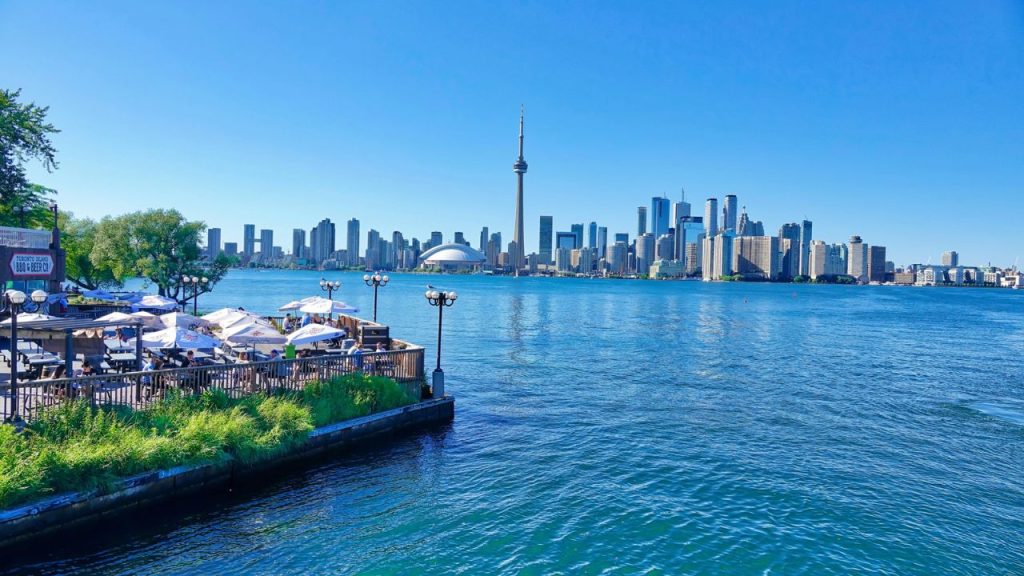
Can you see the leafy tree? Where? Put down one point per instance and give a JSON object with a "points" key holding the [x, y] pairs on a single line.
{"points": [[78, 235], [158, 245], [24, 136]]}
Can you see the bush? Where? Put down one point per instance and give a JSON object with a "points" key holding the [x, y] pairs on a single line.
{"points": [[74, 446]]}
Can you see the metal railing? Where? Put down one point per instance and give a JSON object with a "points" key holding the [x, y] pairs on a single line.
{"points": [[140, 389]]}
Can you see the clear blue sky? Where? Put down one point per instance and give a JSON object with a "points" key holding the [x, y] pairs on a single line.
{"points": [[902, 122]]}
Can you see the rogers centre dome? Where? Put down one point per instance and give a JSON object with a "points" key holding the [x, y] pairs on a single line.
{"points": [[448, 256]]}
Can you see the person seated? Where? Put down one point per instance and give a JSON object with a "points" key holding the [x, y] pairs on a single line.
{"points": [[381, 347], [190, 360]]}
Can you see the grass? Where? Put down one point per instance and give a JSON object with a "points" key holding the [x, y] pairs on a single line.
{"points": [[74, 447]]}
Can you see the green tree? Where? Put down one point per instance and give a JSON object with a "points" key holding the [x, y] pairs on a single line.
{"points": [[158, 245], [78, 236], [24, 136]]}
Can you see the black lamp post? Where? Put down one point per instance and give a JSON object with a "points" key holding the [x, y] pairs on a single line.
{"points": [[329, 287], [440, 299], [14, 299], [376, 281], [196, 283]]}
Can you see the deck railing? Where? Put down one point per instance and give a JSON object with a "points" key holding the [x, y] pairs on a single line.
{"points": [[140, 389]]}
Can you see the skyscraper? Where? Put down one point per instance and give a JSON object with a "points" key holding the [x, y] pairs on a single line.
{"points": [[213, 242], [876, 264], [659, 216], [352, 242], [484, 236], [641, 220], [711, 217], [805, 247], [756, 257], [249, 239], [729, 213], [321, 241], [602, 242], [460, 238], [644, 252], [519, 168], [592, 236], [790, 259], [566, 240], [950, 259], [546, 231], [266, 244], [577, 229], [373, 255], [299, 242], [857, 259]]}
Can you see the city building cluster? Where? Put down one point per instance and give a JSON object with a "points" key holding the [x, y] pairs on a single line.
{"points": [[670, 241]]}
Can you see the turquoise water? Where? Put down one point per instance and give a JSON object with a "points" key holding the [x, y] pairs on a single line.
{"points": [[628, 427]]}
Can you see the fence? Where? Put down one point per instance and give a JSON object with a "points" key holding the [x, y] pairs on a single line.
{"points": [[140, 389]]}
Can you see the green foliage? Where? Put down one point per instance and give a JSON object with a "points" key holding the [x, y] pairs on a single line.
{"points": [[73, 446], [78, 236], [24, 136], [159, 245]]}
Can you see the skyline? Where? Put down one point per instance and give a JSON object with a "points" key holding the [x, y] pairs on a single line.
{"points": [[895, 123]]}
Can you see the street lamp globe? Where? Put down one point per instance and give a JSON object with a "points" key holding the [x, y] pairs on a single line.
{"points": [[366, 277], [16, 297], [39, 296], [323, 283], [204, 280], [385, 278], [195, 280], [452, 296]]}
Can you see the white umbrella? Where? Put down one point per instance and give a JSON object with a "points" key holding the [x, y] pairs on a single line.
{"points": [[236, 317], [156, 302], [325, 306], [149, 320], [119, 317], [181, 319], [238, 327], [311, 333], [29, 317], [296, 304], [177, 337], [226, 316], [256, 334]]}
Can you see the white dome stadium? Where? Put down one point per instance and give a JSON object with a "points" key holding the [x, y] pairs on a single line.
{"points": [[452, 256]]}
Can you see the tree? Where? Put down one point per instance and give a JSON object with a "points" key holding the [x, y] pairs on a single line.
{"points": [[78, 236], [158, 245], [24, 136]]}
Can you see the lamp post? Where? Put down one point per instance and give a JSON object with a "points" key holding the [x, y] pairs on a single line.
{"points": [[440, 299], [376, 281], [329, 287], [195, 282], [14, 299]]}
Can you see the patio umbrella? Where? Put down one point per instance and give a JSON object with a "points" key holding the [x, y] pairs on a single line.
{"points": [[178, 337], [325, 306], [149, 320], [313, 333], [182, 319], [155, 302], [29, 317], [99, 294], [296, 304], [119, 317], [226, 317], [256, 334]]}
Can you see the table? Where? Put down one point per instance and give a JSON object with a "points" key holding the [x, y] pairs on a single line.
{"points": [[123, 360], [115, 345]]}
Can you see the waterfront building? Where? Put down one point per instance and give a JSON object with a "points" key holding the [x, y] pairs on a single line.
{"points": [[857, 259], [756, 257], [592, 236], [249, 239], [711, 217], [484, 236], [826, 260], [565, 240], [662, 269], [583, 260], [299, 242], [622, 237], [452, 257], [266, 245], [729, 213], [213, 243], [717, 257], [950, 258], [876, 264], [517, 232], [373, 252], [905, 278], [745, 226], [460, 238], [789, 260], [494, 248], [397, 252], [659, 216], [641, 220], [351, 242], [692, 261], [231, 248], [602, 242], [680, 210], [805, 247], [436, 239], [321, 241], [563, 259], [619, 259], [665, 246], [533, 262], [644, 252], [546, 230], [577, 230]]}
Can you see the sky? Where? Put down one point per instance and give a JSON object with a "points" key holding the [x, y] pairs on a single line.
{"points": [[901, 122]]}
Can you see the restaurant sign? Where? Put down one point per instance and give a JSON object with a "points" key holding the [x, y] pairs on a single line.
{"points": [[31, 264]]}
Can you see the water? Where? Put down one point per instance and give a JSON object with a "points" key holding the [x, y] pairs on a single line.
{"points": [[628, 427]]}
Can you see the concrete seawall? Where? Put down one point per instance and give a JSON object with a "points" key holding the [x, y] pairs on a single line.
{"points": [[61, 512]]}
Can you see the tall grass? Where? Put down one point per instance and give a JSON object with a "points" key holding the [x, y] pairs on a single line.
{"points": [[74, 447]]}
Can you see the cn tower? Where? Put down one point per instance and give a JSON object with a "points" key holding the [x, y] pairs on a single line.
{"points": [[517, 234]]}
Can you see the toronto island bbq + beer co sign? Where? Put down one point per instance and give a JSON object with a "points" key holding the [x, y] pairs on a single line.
{"points": [[31, 264]]}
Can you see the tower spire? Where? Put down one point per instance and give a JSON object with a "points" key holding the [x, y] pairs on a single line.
{"points": [[519, 167], [521, 114]]}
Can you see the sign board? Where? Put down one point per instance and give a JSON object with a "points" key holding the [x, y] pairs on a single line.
{"points": [[24, 238], [38, 265]]}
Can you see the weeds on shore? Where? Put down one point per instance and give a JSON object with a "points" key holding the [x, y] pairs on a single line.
{"points": [[74, 447]]}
